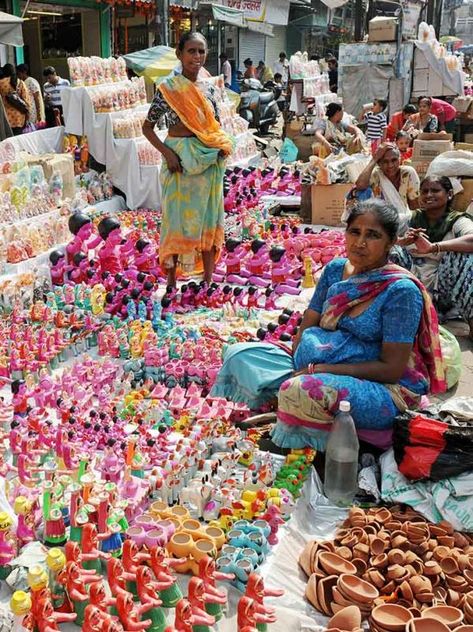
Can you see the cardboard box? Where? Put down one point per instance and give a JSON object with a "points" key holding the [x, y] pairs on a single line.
{"points": [[434, 136], [464, 146], [382, 29], [462, 200], [462, 104], [62, 163], [420, 166], [468, 138], [328, 203], [427, 150]]}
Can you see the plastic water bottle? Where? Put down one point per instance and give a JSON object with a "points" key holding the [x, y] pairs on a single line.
{"points": [[341, 459]]}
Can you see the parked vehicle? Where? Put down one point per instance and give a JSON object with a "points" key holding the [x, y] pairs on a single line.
{"points": [[258, 104]]}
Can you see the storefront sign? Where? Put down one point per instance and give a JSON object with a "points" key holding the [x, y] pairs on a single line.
{"points": [[261, 27], [270, 11], [410, 19]]}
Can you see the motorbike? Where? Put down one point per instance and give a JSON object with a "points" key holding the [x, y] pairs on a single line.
{"points": [[258, 104]]}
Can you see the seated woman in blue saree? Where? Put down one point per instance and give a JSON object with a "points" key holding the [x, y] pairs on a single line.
{"points": [[369, 336]]}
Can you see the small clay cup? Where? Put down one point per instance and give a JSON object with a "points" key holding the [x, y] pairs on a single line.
{"points": [[449, 565], [396, 556]]}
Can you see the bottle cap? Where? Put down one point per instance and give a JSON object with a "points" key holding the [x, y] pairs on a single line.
{"points": [[344, 407]]}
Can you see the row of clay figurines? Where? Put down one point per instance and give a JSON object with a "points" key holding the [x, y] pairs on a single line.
{"points": [[114, 253], [261, 264], [67, 584]]}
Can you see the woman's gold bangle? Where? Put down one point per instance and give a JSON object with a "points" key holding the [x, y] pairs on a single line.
{"points": [[437, 248]]}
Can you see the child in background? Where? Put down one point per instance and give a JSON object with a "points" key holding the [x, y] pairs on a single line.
{"points": [[403, 142], [376, 123]]}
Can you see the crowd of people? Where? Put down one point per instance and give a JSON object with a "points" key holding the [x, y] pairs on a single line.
{"points": [[370, 332], [27, 106]]}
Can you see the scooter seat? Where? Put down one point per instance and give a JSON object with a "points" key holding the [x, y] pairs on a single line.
{"points": [[266, 97]]}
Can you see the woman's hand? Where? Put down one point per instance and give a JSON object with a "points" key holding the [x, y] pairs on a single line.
{"points": [[311, 369], [410, 237], [423, 245], [173, 161], [381, 151], [295, 343]]}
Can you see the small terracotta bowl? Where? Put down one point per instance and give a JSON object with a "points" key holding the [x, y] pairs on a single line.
{"points": [[391, 617], [452, 617], [426, 625], [333, 564], [357, 589]]}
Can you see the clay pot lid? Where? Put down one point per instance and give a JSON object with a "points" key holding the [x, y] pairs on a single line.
{"points": [[427, 625], [391, 617], [357, 589], [447, 614], [346, 619], [336, 565]]}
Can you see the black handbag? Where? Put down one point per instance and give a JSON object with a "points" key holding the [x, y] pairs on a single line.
{"points": [[14, 99]]}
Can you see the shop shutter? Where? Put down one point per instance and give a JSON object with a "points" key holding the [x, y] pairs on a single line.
{"points": [[274, 45], [251, 45]]}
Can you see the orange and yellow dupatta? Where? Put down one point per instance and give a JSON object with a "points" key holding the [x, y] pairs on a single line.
{"points": [[195, 112]]}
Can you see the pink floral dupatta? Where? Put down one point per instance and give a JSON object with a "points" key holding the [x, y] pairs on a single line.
{"points": [[426, 356]]}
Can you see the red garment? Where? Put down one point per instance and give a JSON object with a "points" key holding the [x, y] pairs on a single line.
{"points": [[444, 111], [395, 125], [406, 155]]}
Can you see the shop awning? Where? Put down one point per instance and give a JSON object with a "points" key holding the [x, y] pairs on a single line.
{"points": [[153, 63], [229, 15], [11, 31]]}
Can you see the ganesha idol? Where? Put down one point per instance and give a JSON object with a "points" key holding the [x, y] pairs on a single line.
{"points": [[95, 252]]}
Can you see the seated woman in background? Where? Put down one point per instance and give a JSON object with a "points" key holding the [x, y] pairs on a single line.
{"points": [[424, 120], [369, 336], [399, 121], [438, 249], [385, 178], [333, 134]]}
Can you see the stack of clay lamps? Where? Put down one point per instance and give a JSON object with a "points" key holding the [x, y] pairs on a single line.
{"points": [[383, 556]]}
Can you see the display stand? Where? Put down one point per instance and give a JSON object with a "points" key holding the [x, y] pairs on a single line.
{"points": [[140, 184]]}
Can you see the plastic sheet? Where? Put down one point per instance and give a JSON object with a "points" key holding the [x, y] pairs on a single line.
{"points": [[449, 499], [452, 163]]}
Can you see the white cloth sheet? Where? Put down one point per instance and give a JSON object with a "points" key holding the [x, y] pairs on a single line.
{"points": [[453, 79], [139, 183], [44, 141]]}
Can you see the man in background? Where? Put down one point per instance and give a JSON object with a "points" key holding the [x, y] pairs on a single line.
{"points": [[53, 96], [226, 70], [333, 74], [263, 73], [281, 67]]}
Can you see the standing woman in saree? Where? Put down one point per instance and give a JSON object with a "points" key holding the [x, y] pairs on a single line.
{"points": [[192, 231]]}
